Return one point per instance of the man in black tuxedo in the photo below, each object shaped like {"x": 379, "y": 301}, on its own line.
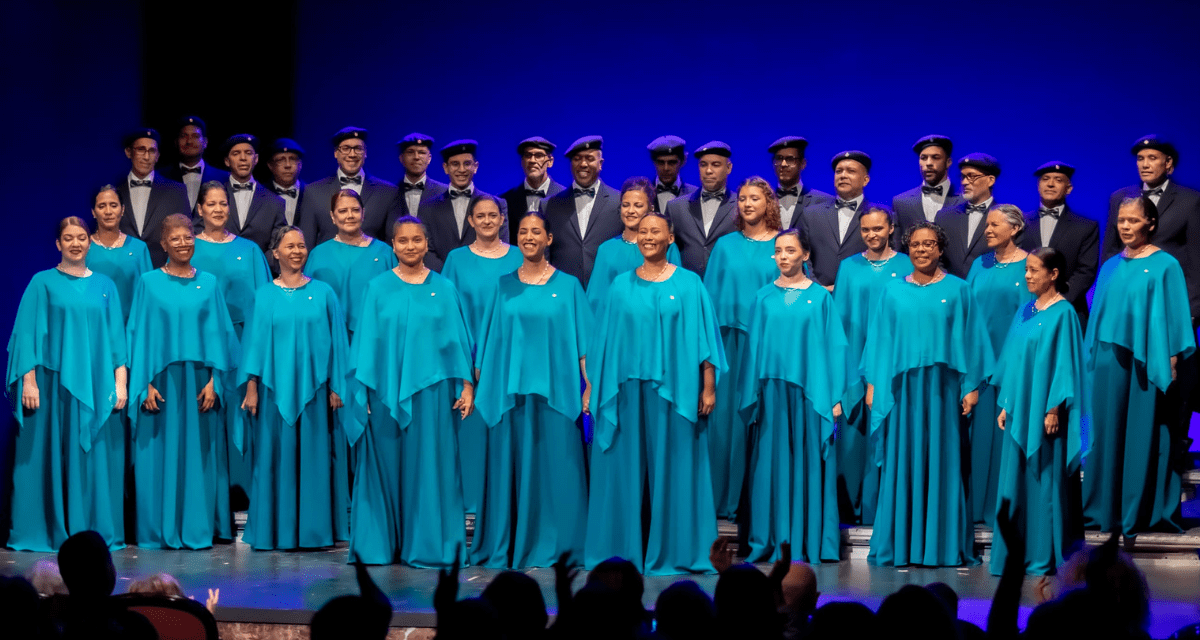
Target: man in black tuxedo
{"x": 416, "y": 151}
{"x": 191, "y": 169}
{"x": 147, "y": 196}
{"x": 708, "y": 213}
{"x": 254, "y": 211}
{"x": 1178, "y": 230}
{"x": 380, "y": 197}
{"x": 445, "y": 215}
{"x": 787, "y": 155}
{"x": 285, "y": 161}
{"x": 936, "y": 192}
{"x": 965, "y": 221}
{"x": 668, "y": 155}
{"x": 537, "y": 156}
{"x": 832, "y": 226}
{"x": 584, "y": 216}
{"x": 1054, "y": 224}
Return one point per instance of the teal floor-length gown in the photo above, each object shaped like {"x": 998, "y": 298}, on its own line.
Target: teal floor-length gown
{"x": 795, "y": 372}
{"x": 411, "y": 352}
{"x": 69, "y": 466}
{"x": 1000, "y": 291}
{"x": 123, "y": 265}
{"x": 534, "y": 506}
{"x": 855, "y": 293}
{"x": 928, "y": 348}
{"x": 615, "y": 256}
{"x": 1140, "y": 318}
{"x": 180, "y": 335}
{"x": 349, "y": 269}
{"x": 1040, "y": 368}
{"x": 475, "y": 277}
{"x": 296, "y": 347}
{"x": 650, "y": 492}
{"x": 737, "y": 269}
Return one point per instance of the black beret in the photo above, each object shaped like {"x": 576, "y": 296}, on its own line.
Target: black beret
{"x": 667, "y": 146}
{"x": 138, "y": 134}
{"x": 934, "y": 140}
{"x": 536, "y": 142}
{"x": 239, "y": 139}
{"x": 715, "y": 147}
{"x": 989, "y": 165}
{"x": 788, "y": 142}
{"x": 347, "y": 133}
{"x": 1158, "y": 144}
{"x": 414, "y": 140}
{"x": 1055, "y": 166}
{"x": 286, "y": 145}
{"x": 457, "y": 147}
{"x": 585, "y": 143}
{"x": 193, "y": 120}
{"x": 857, "y": 156}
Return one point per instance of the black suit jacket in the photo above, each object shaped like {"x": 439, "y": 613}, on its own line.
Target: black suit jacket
{"x": 299, "y": 187}
{"x": 166, "y": 197}
{"x": 574, "y": 249}
{"x": 1078, "y": 239}
{"x": 685, "y": 190}
{"x": 686, "y": 215}
{"x": 808, "y": 198}
{"x": 265, "y": 215}
{"x": 820, "y": 224}
{"x": 960, "y": 251}
{"x": 379, "y": 199}
{"x": 515, "y": 199}
{"x": 210, "y": 173}
{"x": 1178, "y": 232}
{"x": 910, "y": 212}
{"x": 443, "y": 235}
{"x": 432, "y": 189}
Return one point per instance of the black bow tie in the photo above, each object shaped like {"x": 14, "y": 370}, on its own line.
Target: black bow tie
{"x": 535, "y": 192}
{"x": 976, "y": 208}
{"x": 589, "y": 192}
{"x": 794, "y": 191}
{"x": 928, "y": 190}
{"x": 237, "y": 186}
{"x": 185, "y": 170}
{"x": 662, "y": 188}
{"x": 1053, "y": 213}
{"x": 1152, "y": 192}
{"x": 140, "y": 183}
{"x": 350, "y": 179}
{"x": 291, "y": 193}
{"x": 408, "y": 186}
{"x": 846, "y": 204}
{"x": 711, "y": 195}
{"x": 455, "y": 193}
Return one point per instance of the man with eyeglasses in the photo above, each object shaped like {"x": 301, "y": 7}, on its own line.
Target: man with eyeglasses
{"x": 584, "y": 216}
{"x": 380, "y": 197}
{"x": 537, "y": 156}
{"x": 254, "y": 212}
{"x": 965, "y": 221}
{"x": 445, "y": 215}
{"x": 936, "y": 192}
{"x": 701, "y": 218}
{"x": 147, "y": 196}
{"x": 787, "y": 155}
{"x": 668, "y": 155}
{"x": 416, "y": 151}
{"x": 1055, "y": 224}
{"x": 833, "y": 225}
{"x": 285, "y": 160}
{"x": 191, "y": 169}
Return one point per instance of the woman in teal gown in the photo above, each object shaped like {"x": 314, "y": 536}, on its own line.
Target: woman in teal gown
{"x": 351, "y": 259}
{"x": 66, "y": 377}
{"x": 121, "y": 257}
{"x": 997, "y": 279}
{"x": 1039, "y": 379}
{"x": 741, "y": 264}
{"x": 412, "y": 356}
{"x": 1139, "y": 330}
{"x": 474, "y": 271}
{"x": 531, "y": 356}
{"x": 654, "y": 364}
{"x": 926, "y": 356}
{"x": 795, "y": 374}
{"x": 296, "y": 370}
{"x": 860, "y": 280}
{"x": 620, "y": 254}
{"x": 183, "y": 356}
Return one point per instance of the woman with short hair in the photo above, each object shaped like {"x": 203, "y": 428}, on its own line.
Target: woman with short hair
{"x": 123, "y": 258}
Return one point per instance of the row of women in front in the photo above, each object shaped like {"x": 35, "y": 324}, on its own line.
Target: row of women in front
{"x": 374, "y": 401}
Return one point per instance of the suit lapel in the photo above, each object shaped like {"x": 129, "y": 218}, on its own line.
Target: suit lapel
{"x": 1168, "y": 196}
{"x": 235, "y": 216}
{"x": 697, "y": 213}
{"x": 600, "y": 199}
{"x": 257, "y": 198}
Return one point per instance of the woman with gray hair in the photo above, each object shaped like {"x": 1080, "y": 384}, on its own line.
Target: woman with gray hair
{"x": 997, "y": 279}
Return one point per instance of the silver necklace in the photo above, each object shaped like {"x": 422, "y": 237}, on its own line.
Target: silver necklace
{"x": 488, "y": 253}
{"x": 659, "y": 276}
{"x": 937, "y": 278}
{"x": 420, "y": 276}
{"x": 83, "y": 274}
{"x": 878, "y": 265}
{"x": 189, "y": 275}
{"x": 542, "y": 276}
{"x": 1056, "y": 298}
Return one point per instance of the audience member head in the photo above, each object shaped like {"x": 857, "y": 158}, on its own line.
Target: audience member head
{"x": 745, "y": 603}
{"x": 86, "y": 566}
{"x": 518, "y": 602}
{"x": 842, "y": 621}
{"x": 161, "y": 584}
{"x": 19, "y": 608}
{"x": 470, "y": 619}
{"x": 913, "y": 609}
{"x": 623, "y": 578}
{"x": 800, "y": 589}
{"x": 685, "y": 612}
{"x": 600, "y": 612}
{"x": 947, "y": 595}
{"x": 46, "y": 578}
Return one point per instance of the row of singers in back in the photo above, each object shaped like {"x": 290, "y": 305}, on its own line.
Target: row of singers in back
{"x": 378, "y": 401}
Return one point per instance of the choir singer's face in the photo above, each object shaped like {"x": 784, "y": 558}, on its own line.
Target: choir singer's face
{"x": 410, "y": 244}
{"x": 347, "y": 216}
{"x": 292, "y": 251}
{"x": 533, "y": 238}
{"x": 654, "y": 237}
{"x": 633, "y": 208}
{"x": 789, "y": 255}
{"x": 876, "y": 230}
{"x": 923, "y": 250}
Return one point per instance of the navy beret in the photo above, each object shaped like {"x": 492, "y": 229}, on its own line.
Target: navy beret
{"x": 989, "y": 165}
{"x": 1055, "y": 166}
{"x": 788, "y": 142}
{"x": 667, "y": 146}
{"x": 457, "y": 147}
{"x": 857, "y": 156}
{"x": 934, "y": 140}
{"x": 536, "y": 142}
{"x": 286, "y": 145}
{"x": 1158, "y": 144}
{"x": 193, "y": 120}
{"x": 347, "y": 133}
{"x": 414, "y": 140}
{"x": 138, "y": 134}
{"x": 715, "y": 147}
{"x": 237, "y": 139}
{"x": 585, "y": 143}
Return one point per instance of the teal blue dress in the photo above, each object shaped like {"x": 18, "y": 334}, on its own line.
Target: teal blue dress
{"x": 296, "y": 347}
{"x": 349, "y": 269}
{"x": 855, "y": 295}
{"x": 180, "y": 335}
{"x": 737, "y": 269}
{"x": 650, "y": 498}
{"x": 928, "y": 349}
{"x": 411, "y": 352}
{"x": 795, "y": 371}
{"x": 1140, "y": 318}
{"x": 1041, "y": 368}
{"x": 69, "y": 467}
{"x": 615, "y": 256}
{"x": 534, "y": 506}
{"x": 122, "y": 265}
{"x": 1000, "y": 291}
{"x": 475, "y": 278}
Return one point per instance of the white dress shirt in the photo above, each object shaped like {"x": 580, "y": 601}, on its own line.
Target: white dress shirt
{"x": 242, "y": 198}
{"x": 846, "y": 216}
{"x": 1046, "y": 224}
{"x": 460, "y": 207}
{"x": 289, "y": 202}
{"x": 787, "y": 205}
{"x": 708, "y": 208}
{"x": 1155, "y": 199}
{"x": 663, "y": 197}
{"x": 975, "y": 218}
{"x": 584, "y": 204}
{"x": 932, "y": 203}
{"x": 192, "y": 182}
{"x": 532, "y": 203}
{"x": 139, "y": 199}
{"x": 356, "y": 188}
{"x": 412, "y": 197}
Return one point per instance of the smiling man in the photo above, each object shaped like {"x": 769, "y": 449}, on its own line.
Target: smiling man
{"x": 583, "y": 217}
{"x": 147, "y": 196}
{"x": 416, "y": 152}
{"x": 537, "y": 156}
{"x": 668, "y": 155}
{"x": 191, "y": 169}
{"x": 936, "y": 192}
{"x": 381, "y": 199}
{"x": 1055, "y": 224}
{"x": 254, "y": 211}
{"x": 787, "y": 156}
{"x": 445, "y": 215}
{"x": 964, "y": 222}
{"x": 701, "y": 218}
{"x": 833, "y": 225}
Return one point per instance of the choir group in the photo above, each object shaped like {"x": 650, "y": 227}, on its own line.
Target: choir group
{"x": 596, "y": 372}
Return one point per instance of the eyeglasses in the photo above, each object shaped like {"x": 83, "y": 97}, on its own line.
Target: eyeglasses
{"x": 972, "y": 177}
{"x": 786, "y": 162}
{"x": 145, "y": 151}
{"x": 181, "y": 241}
{"x": 926, "y": 244}
{"x": 536, "y": 156}
{"x": 350, "y": 151}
